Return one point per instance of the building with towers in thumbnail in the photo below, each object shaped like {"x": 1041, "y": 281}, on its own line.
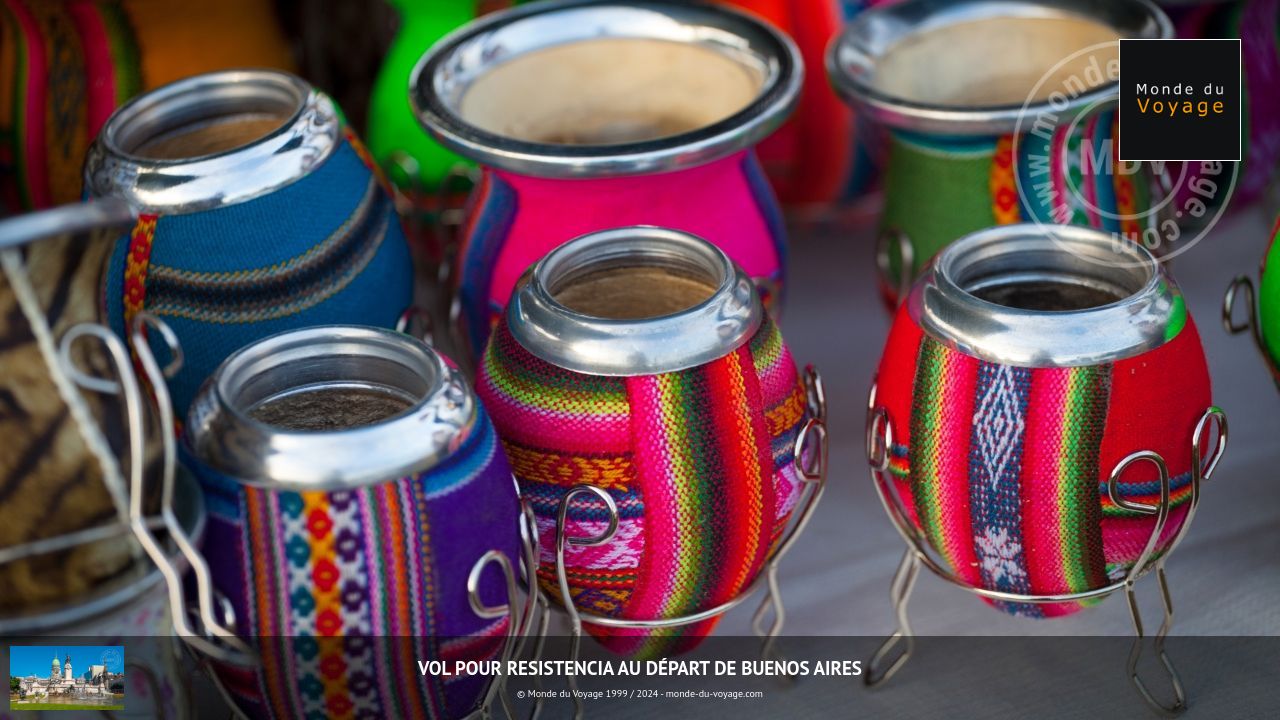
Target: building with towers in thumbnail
{"x": 62, "y": 681}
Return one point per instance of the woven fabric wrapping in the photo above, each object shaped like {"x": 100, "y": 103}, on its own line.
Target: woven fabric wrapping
{"x": 346, "y": 591}
{"x": 66, "y": 65}
{"x": 393, "y": 127}
{"x": 1269, "y": 301}
{"x": 1004, "y": 468}
{"x": 327, "y": 249}
{"x": 972, "y": 183}
{"x": 699, "y": 463}
{"x": 514, "y": 220}
{"x": 50, "y": 482}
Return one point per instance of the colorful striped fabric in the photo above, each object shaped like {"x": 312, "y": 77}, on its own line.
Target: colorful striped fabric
{"x": 1004, "y": 468}
{"x": 44, "y": 129}
{"x": 1071, "y": 176}
{"x": 698, "y": 461}
{"x": 345, "y": 591}
{"x": 491, "y": 211}
{"x": 326, "y": 249}
{"x": 822, "y": 155}
{"x": 770, "y": 286}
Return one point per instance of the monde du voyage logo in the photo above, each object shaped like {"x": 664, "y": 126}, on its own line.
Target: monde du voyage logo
{"x": 1180, "y": 100}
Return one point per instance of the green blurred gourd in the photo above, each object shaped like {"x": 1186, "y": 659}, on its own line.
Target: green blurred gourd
{"x": 1269, "y": 300}
{"x": 392, "y": 126}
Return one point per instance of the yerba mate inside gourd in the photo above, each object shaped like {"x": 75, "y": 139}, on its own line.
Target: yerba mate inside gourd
{"x": 1047, "y": 296}
{"x": 998, "y": 61}
{"x": 634, "y": 293}
{"x": 209, "y": 137}
{"x": 611, "y": 91}
{"x": 334, "y": 407}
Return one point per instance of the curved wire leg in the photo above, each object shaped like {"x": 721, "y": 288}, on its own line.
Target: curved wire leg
{"x": 809, "y": 458}
{"x": 772, "y": 600}
{"x": 536, "y": 604}
{"x": 1179, "y": 704}
{"x": 906, "y": 261}
{"x": 515, "y": 626}
{"x": 562, "y": 578}
{"x": 904, "y": 581}
{"x": 1242, "y": 287}
{"x": 539, "y": 647}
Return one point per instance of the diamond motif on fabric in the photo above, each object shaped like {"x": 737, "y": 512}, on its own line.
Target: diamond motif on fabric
{"x": 998, "y": 423}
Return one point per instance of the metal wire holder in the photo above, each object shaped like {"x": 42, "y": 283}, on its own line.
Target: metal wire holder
{"x": 879, "y": 444}
{"x": 887, "y": 241}
{"x": 810, "y": 461}
{"x": 132, "y": 523}
{"x": 1243, "y": 285}
{"x": 440, "y": 225}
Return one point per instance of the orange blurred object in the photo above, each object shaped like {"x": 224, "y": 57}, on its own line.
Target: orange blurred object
{"x": 180, "y": 39}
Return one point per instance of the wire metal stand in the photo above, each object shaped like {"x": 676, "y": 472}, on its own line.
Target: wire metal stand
{"x": 132, "y": 524}
{"x": 888, "y": 240}
{"x": 1243, "y": 285}
{"x": 810, "y": 459}
{"x": 435, "y": 223}
{"x": 517, "y": 632}
{"x": 879, "y": 443}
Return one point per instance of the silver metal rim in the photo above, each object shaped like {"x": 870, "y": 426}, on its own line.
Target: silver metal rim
{"x": 225, "y": 437}
{"x": 852, "y": 56}
{"x": 283, "y": 156}
{"x": 190, "y": 511}
{"x": 447, "y": 69}
{"x": 942, "y": 304}
{"x": 599, "y": 346}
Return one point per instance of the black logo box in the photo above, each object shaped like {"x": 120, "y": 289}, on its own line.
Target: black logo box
{"x": 1185, "y": 67}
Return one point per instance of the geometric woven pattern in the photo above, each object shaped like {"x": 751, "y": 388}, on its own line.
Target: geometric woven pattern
{"x": 345, "y": 591}
{"x": 1004, "y": 469}
{"x": 698, "y": 462}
